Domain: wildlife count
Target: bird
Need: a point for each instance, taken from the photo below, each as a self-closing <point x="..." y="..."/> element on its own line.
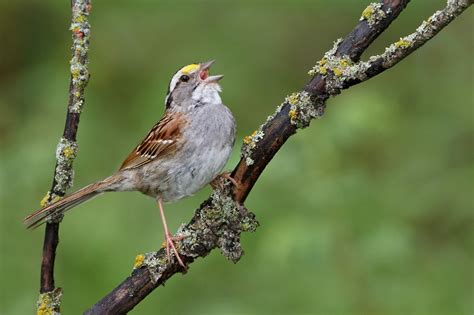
<point x="183" y="152"/>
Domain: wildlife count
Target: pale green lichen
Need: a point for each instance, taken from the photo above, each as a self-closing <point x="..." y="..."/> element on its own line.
<point x="337" y="70"/>
<point x="226" y="219"/>
<point x="249" y="143"/>
<point x="66" y="151"/>
<point x="322" y="65"/>
<point x="403" y="43"/>
<point x="423" y="33"/>
<point x="217" y="223"/>
<point x="395" y="51"/>
<point x="80" y="29"/>
<point x="373" y="13"/>
<point x="302" y="109"/>
<point x="154" y="261"/>
<point x="49" y="302"/>
<point x="249" y="161"/>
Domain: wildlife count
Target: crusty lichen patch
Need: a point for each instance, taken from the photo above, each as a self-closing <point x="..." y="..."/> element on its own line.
<point x="221" y="221"/>
<point x="139" y="259"/>
<point x="217" y="223"/>
<point x="250" y="142"/>
<point x="80" y="29"/>
<point x="234" y="218"/>
<point x="373" y="13"/>
<point x="326" y="63"/>
<point x="156" y="262"/>
<point x="49" y="302"/>
<point x="340" y="71"/>
<point x="395" y="51"/>
<point x="49" y="198"/>
<point x="302" y="109"/>
<point x="337" y="70"/>
<point x="66" y="152"/>
<point x="44" y="202"/>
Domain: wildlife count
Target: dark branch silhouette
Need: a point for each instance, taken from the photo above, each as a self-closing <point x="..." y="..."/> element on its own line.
<point x="219" y="220"/>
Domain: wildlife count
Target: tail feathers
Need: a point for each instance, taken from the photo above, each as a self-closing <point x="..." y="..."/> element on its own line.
<point x="39" y="217"/>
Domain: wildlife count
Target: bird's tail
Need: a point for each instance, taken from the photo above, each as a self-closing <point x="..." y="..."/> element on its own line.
<point x="39" y="216"/>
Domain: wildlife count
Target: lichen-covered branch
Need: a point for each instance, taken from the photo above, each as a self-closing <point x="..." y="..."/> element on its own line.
<point x="340" y="72"/>
<point x="219" y="220"/>
<point x="49" y="300"/>
<point x="217" y="223"/>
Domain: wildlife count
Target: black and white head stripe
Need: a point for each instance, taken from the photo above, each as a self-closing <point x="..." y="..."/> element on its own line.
<point x="175" y="81"/>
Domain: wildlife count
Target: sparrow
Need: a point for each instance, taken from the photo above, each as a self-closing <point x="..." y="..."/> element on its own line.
<point x="182" y="153"/>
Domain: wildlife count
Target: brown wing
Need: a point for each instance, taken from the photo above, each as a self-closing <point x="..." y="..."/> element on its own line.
<point x="162" y="139"/>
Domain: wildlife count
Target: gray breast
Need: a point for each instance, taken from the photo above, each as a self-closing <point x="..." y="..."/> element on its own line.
<point x="208" y="141"/>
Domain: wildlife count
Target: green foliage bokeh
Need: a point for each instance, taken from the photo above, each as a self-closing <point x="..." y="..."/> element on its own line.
<point x="368" y="211"/>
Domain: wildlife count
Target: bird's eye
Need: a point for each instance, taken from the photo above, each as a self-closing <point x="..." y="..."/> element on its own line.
<point x="184" y="78"/>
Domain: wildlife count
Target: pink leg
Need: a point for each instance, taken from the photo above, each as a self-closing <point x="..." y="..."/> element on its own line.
<point x="168" y="237"/>
<point x="232" y="180"/>
<point x="216" y="184"/>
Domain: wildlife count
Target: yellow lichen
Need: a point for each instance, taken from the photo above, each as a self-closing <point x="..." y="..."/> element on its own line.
<point x="248" y="139"/>
<point x="45" y="200"/>
<point x="80" y="19"/>
<point x="337" y="72"/>
<point x="323" y="70"/>
<point x="367" y="13"/>
<point x="45" y="308"/>
<point x="403" y="43"/>
<point x="344" y="63"/>
<point x="49" y="302"/>
<point x="75" y="72"/>
<point x="138" y="261"/>
<point x="373" y="13"/>
<point x="293" y="98"/>
<point x="293" y="114"/>
<point x="68" y="152"/>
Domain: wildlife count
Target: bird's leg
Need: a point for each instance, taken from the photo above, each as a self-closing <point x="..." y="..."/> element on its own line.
<point x="169" y="239"/>
<point x="216" y="183"/>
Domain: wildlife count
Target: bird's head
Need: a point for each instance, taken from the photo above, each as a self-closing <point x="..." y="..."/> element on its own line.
<point x="192" y="86"/>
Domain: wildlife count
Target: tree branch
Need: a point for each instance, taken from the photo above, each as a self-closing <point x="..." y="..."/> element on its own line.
<point x="49" y="299"/>
<point x="219" y="220"/>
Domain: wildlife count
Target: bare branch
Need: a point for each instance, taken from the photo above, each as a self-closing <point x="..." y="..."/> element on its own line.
<point x="49" y="300"/>
<point x="219" y="220"/>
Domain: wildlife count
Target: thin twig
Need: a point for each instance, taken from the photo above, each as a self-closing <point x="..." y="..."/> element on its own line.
<point x="219" y="216"/>
<point x="66" y="151"/>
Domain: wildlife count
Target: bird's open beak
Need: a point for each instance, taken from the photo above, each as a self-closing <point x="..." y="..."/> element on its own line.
<point x="204" y="73"/>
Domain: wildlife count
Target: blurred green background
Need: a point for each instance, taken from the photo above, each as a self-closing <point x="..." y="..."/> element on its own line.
<point x="368" y="211"/>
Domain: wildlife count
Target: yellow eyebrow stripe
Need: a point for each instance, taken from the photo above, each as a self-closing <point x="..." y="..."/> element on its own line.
<point x="189" y="68"/>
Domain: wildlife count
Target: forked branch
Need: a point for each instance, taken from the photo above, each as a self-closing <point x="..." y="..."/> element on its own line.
<point x="219" y="220"/>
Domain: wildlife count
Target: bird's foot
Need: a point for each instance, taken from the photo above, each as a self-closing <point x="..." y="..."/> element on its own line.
<point x="218" y="183"/>
<point x="170" y="240"/>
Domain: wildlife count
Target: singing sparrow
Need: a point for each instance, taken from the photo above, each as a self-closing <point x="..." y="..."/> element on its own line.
<point x="181" y="154"/>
